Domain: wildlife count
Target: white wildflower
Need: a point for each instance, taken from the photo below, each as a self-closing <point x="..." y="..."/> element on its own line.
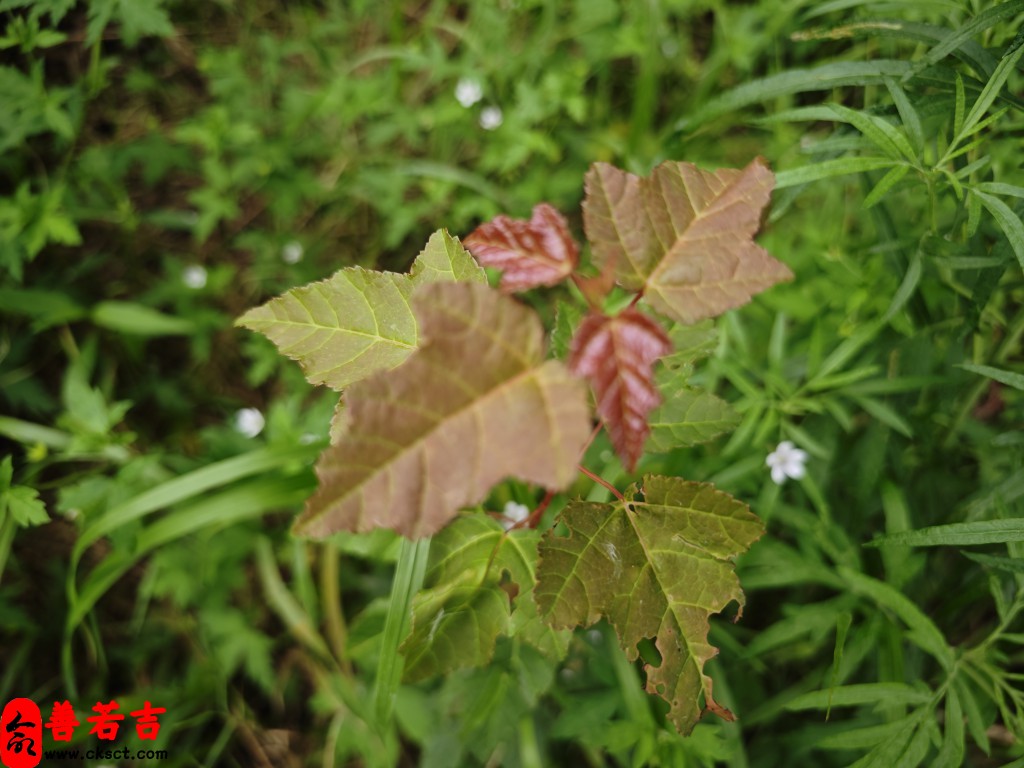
<point x="468" y="91"/>
<point x="292" y="253"/>
<point x="249" y="422"/>
<point x="490" y="118"/>
<point x="194" y="277"/>
<point x="514" y="513"/>
<point x="786" y="461"/>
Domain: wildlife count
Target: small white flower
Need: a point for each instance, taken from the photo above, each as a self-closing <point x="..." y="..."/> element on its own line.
<point x="468" y="91"/>
<point x="292" y="253"/>
<point x="786" y="461"/>
<point x="490" y="118"/>
<point x="249" y="422"/>
<point x="514" y="513"/>
<point x="194" y="277"/>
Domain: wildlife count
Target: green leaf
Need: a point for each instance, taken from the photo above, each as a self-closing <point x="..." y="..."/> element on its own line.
<point x="1007" y="220"/>
<point x="990" y="92"/>
<point x="977" y="723"/>
<point x="567" y="319"/>
<point x="951" y="753"/>
<point x="906" y="750"/>
<point x="843" y="622"/>
<point x="907" y="286"/>
<point x="823" y="78"/>
<point x="358" y="322"/>
<point x="987" y="18"/>
<point x="866" y="737"/>
<point x="138" y="18"/>
<point x="477" y="403"/>
<point x="443" y="259"/>
<point x="858" y="695"/>
<point x="688" y="417"/>
<point x="959" y="108"/>
<point x="956" y="534"/>
<point x="24" y="505"/>
<point x="999" y="188"/>
<point x="1008" y="564"/>
<point x="887" y="182"/>
<point x="828" y="169"/>
<point x="911" y="120"/>
<point x="46" y="308"/>
<point x="885" y="414"/>
<point x="878" y="131"/>
<point x="1009" y="378"/>
<point x="656" y="568"/>
<point x="475" y="574"/>
<point x="923" y="631"/>
<point x="690" y="343"/>
<point x="139" y="320"/>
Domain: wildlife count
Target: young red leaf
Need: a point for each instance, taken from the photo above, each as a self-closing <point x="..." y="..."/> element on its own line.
<point x="617" y="355"/>
<point x="530" y="253"/>
<point x="683" y="235"/>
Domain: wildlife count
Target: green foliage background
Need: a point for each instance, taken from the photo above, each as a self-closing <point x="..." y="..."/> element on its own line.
<point x="144" y="546"/>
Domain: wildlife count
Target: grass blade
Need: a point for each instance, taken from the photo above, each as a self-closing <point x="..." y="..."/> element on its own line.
<point x="955" y="534"/>
<point x="1009" y="378"/>
<point x="412" y="565"/>
<point x="823" y="78"/>
<point x="858" y="695"/>
<point x="1007" y="220"/>
<point x="979" y="23"/>
<point x="839" y="167"/>
<point x="1008" y="564"/>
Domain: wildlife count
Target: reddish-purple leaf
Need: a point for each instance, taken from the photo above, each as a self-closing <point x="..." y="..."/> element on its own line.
<point x="617" y="355"/>
<point x="530" y="253"/>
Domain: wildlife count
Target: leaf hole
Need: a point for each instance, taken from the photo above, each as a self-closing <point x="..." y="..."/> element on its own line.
<point x="649" y="652"/>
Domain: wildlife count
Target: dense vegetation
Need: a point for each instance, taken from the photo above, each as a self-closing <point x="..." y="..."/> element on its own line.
<point x="166" y="166"/>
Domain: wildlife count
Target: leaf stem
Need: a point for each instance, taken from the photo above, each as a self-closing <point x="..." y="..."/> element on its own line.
<point x="330" y="596"/>
<point x="535" y="516"/>
<point x="601" y="481"/>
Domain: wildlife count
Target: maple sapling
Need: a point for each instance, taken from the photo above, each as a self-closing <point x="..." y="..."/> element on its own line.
<point x="449" y="390"/>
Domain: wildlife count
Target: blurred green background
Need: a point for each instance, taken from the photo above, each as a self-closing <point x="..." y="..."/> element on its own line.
<point x="166" y="165"/>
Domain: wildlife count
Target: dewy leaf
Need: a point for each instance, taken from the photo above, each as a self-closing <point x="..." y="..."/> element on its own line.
<point x="688" y="417"/>
<point x="656" y="568"/>
<point x="475" y="404"/>
<point x="357" y="322"/>
<point x="538" y="251"/>
<point x="683" y="235"/>
<point x="616" y="354"/>
<point x="466" y="602"/>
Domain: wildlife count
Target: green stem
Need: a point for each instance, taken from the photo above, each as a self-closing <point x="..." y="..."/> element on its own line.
<point x="330" y="598"/>
<point x="412" y="565"/>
